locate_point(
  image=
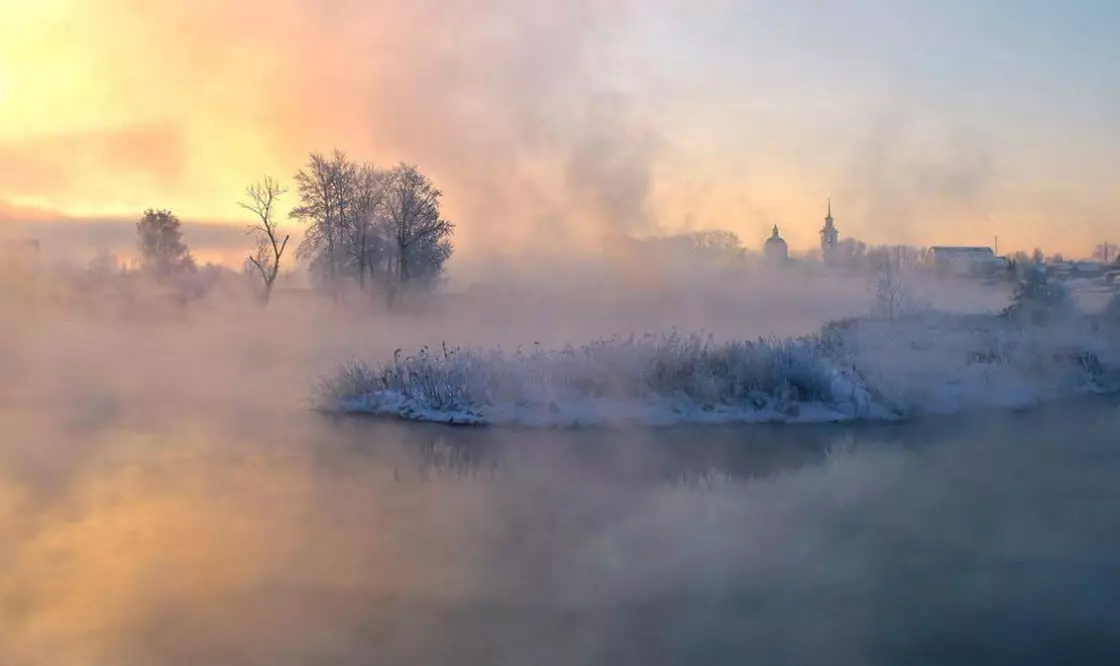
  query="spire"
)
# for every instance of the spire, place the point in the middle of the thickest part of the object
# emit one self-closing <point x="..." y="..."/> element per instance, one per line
<point x="775" y="232"/>
<point x="829" y="206"/>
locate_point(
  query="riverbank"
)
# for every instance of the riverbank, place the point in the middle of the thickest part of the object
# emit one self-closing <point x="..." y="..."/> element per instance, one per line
<point x="852" y="370"/>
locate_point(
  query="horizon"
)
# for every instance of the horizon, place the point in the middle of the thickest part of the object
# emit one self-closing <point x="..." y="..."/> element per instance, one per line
<point x="74" y="241"/>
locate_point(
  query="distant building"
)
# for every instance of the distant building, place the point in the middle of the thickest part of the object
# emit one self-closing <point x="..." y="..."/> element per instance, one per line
<point x="966" y="261"/>
<point x="775" y="249"/>
<point x="830" y="237"/>
<point x="1077" y="269"/>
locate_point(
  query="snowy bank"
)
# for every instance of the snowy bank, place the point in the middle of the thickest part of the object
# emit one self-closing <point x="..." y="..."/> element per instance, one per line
<point x="859" y="369"/>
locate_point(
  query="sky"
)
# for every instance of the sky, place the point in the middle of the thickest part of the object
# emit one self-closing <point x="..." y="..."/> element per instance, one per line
<point x="548" y="123"/>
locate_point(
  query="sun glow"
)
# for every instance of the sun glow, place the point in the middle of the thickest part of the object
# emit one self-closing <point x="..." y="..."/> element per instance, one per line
<point x="101" y="115"/>
<point x="108" y="107"/>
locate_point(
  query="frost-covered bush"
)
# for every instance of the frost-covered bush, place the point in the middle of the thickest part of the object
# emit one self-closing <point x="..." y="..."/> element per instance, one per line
<point x="856" y="368"/>
<point x="692" y="369"/>
<point x="1038" y="300"/>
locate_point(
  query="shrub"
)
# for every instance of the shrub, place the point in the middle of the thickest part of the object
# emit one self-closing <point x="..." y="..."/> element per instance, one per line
<point x="764" y="372"/>
<point x="1037" y="299"/>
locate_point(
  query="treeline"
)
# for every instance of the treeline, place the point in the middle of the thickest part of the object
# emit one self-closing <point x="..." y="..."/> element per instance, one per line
<point x="723" y="247"/>
<point x="378" y="229"/>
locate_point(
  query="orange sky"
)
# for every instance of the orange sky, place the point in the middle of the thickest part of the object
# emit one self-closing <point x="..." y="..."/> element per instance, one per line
<point x="541" y="121"/>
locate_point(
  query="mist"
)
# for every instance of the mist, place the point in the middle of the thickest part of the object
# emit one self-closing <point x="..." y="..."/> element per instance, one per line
<point x="175" y="488"/>
<point x="168" y="496"/>
<point x="505" y="104"/>
<point x="546" y="123"/>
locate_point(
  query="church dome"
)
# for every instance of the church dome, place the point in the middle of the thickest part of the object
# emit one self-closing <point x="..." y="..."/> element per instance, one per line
<point x="775" y="248"/>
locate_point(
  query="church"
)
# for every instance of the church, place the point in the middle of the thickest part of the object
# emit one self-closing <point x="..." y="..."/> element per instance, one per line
<point x="830" y="238"/>
<point x="775" y="250"/>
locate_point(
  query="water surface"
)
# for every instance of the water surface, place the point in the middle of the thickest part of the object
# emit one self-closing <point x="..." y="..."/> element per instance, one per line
<point x="290" y="538"/>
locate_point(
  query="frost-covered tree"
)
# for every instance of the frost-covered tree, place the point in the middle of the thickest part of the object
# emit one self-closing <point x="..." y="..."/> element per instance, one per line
<point x="427" y="262"/>
<point x="1038" y="299"/>
<point x="713" y="247"/>
<point x="265" y="260"/>
<point x="715" y="242"/>
<point x="161" y="246"/>
<point x="323" y="186"/>
<point x="342" y="206"/>
<point x="419" y="236"/>
<point x="364" y="242"/>
<point x="892" y="293"/>
<point x="380" y="228"/>
<point x="851" y="253"/>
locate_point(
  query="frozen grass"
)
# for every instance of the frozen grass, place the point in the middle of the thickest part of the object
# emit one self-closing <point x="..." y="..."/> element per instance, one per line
<point x="939" y="363"/>
<point x="853" y="369"/>
<point x="644" y="379"/>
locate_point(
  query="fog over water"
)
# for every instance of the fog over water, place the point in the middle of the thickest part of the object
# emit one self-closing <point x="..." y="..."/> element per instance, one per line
<point x="168" y="497"/>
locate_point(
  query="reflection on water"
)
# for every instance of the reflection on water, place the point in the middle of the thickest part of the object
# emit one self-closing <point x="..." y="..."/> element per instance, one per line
<point x="312" y="541"/>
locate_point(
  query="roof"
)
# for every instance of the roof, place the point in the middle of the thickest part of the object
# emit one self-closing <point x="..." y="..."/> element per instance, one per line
<point x="966" y="254"/>
<point x="961" y="249"/>
<point x="775" y="238"/>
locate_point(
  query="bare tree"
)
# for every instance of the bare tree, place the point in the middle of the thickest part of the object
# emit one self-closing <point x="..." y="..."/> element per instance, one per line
<point x="412" y="214"/>
<point x="381" y="228"/>
<point x="323" y="186"/>
<point x="363" y="224"/>
<point x="265" y="260"/>
<point x="893" y="297"/>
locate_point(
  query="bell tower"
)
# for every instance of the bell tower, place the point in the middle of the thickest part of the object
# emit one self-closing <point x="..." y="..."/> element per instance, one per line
<point x="829" y="236"/>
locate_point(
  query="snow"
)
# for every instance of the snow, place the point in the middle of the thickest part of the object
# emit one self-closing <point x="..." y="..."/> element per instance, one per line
<point x="860" y="369"/>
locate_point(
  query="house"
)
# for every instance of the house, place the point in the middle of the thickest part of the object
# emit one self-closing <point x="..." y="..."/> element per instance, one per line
<point x="966" y="261"/>
<point x="1078" y="269"/>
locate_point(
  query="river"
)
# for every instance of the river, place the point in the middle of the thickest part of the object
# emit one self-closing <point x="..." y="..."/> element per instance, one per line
<point x="983" y="539"/>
